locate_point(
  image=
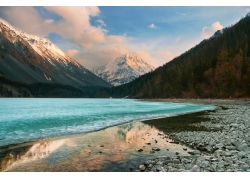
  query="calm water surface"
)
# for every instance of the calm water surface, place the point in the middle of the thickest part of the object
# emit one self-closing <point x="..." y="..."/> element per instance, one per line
<point x="26" y="119"/>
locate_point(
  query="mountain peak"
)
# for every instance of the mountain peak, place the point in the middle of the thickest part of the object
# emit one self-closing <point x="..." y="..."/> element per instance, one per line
<point x="129" y="56"/>
<point x="123" y="69"/>
<point x="41" y="45"/>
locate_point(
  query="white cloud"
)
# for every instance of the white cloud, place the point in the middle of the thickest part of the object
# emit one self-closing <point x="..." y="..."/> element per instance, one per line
<point x="209" y="31"/>
<point x="101" y="22"/>
<point x="152" y="26"/>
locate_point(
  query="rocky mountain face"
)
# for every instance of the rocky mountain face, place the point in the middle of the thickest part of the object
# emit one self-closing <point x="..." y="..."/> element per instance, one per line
<point x="123" y="69"/>
<point x="29" y="59"/>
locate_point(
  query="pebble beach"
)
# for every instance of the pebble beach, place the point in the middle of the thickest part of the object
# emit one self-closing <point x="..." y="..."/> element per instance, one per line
<point x="223" y="145"/>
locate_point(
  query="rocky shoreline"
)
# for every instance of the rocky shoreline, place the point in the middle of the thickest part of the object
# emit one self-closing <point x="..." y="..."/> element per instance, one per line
<point x="225" y="147"/>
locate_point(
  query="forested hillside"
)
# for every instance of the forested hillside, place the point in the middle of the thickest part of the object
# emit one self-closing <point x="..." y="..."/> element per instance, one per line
<point x="10" y="88"/>
<point x="218" y="67"/>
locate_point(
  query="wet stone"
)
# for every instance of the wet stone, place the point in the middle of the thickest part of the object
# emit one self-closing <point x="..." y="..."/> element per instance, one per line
<point x="226" y="164"/>
<point x="195" y="168"/>
<point x="153" y="169"/>
<point x="219" y="146"/>
<point x="172" y="162"/>
<point x="175" y="142"/>
<point x="214" y="160"/>
<point x="195" y="152"/>
<point x="148" y="162"/>
<point x="153" y="162"/>
<point x="227" y="154"/>
<point x="142" y="167"/>
<point x="235" y="143"/>
<point x="208" y="148"/>
<point x="205" y="164"/>
<point x="243" y="147"/>
<point x="230" y="147"/>
<point x="159" y="168"/>
<point x="156" y="149"/>
<point x="159" y="163"/>
<point x="150" y="165"/>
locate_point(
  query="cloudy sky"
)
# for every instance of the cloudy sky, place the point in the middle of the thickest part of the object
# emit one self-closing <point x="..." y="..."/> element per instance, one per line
<point x="95" y="35"/>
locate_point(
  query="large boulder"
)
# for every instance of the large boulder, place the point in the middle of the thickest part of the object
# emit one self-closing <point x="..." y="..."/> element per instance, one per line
<point x="243" y="147"/>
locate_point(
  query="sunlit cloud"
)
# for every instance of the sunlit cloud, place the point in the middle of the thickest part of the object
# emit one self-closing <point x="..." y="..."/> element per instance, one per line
<point x="145" y="56"/>
<point x="71" y="53"/>
<point x="166" y="56"/>
<point x="100" y="55"/>
<point x="209" y="31"/>
<point x="74" y="25"/>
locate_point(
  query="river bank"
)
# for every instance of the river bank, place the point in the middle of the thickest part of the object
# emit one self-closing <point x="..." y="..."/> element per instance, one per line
<point x="220" y="144"/>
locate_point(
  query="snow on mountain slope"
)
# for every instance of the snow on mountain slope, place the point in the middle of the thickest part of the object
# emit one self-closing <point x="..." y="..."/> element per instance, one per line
<point x="42" y="46"/>
<point x="123" y="69"/>
<point x="28" y="58"/>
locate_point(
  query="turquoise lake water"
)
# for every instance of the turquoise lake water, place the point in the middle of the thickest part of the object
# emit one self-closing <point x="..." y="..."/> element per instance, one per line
<point x="23" y="120"/>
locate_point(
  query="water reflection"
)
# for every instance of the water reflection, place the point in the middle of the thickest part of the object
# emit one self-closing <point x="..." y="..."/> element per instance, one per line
<point x="111" y="149"/>
<point x="29" y="153"/>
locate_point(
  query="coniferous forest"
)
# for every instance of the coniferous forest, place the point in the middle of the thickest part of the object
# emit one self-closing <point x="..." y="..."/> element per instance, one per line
<point x="10" y="88"/>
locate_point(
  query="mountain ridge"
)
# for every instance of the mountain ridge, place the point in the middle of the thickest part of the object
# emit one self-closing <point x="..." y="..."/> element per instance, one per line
<point x="29" y="59"/>
<point x="123" y="69"/>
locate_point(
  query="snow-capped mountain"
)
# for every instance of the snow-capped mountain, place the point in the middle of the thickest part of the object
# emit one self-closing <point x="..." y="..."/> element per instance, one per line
<point x="123" y="69"/>
<point x="28" y="58"/>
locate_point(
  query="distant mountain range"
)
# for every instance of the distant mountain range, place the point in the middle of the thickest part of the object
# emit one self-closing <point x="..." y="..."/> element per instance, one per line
<point x="218" y="67"/>
<point x="30" y="59"/>
<point x="123" y="69"/>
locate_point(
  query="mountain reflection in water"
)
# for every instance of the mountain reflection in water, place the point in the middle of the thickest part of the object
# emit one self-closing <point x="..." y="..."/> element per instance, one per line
<point x="111" y="149"/>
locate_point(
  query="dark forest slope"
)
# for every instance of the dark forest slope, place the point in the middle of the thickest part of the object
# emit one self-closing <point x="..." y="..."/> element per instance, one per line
<point x="10" y="88"/>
